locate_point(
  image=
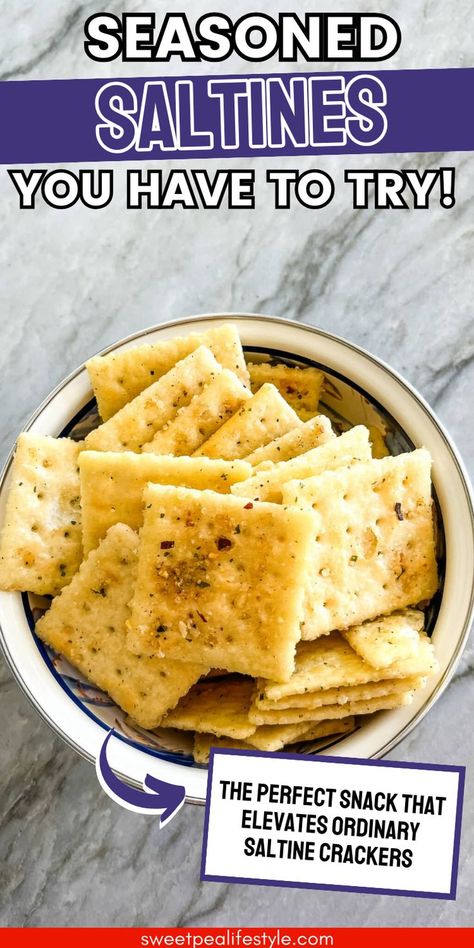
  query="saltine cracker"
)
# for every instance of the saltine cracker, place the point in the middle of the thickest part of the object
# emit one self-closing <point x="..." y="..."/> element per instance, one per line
<point x="263" y="418"/>
<point x="300" y="387"/>
<point x="138" y="421"/>
<point x="118" y="377"/>
<point x="220" y="581"/>
<point x="341" y="695"/>
<point x="271" y="737"/>
<point x="375" y="546"/>
<point x="331" y="711"/>
<point x="218" y="707"/>
<point x="299" y="440"/>
<point x="41" y="542"/>
<point x="206" y="412"/>
<point x="112" y="485"/>
<point x="87" y="624"/>
<point x="267" y="482"/>
<point x="385" y="640"/>
<point x="330" y="662"/>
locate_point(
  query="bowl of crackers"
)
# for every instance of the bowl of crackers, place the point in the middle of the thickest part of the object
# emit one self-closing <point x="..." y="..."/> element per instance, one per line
<point x="233" y="531"/>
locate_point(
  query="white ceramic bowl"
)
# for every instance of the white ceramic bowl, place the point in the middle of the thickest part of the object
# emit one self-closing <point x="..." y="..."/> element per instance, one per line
<point x="362" y="389"/>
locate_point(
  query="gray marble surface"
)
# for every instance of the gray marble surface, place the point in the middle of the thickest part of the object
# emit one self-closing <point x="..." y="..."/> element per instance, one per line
<point x="400" y="284"/>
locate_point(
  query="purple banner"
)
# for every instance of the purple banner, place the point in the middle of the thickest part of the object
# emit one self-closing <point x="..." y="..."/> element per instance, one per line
<point x="81" y="120"/>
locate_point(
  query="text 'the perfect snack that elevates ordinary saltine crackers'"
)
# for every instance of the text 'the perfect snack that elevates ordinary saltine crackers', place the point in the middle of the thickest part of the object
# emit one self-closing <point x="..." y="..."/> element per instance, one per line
<point x="87" y="624"/>
<point x="263" y="418"/>
<point x="41" y="542"/>
<point x="139" y="420"/>
<point x="374" y="550"/>
<point x="220" y="581"/>
<point x="112" y="485"/>
<point x="206" y="412"/>
<point x="119" y="377"/>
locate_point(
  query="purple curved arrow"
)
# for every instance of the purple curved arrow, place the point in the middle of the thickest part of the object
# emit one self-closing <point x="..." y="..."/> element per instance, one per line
<point x="160" y="798"/>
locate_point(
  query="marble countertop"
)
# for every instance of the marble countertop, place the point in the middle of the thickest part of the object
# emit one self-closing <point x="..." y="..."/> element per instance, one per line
<point x="400" y="284"/>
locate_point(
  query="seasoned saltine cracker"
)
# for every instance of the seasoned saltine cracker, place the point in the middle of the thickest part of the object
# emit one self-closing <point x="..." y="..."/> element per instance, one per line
<point x="219" y="707"/>
<point x="263" y="418"/>
<point x="87" y="624"/>
<point x="387" y="639"/>
<point x="271" y="737"/>
<point x="220" y="581"/>
<point x="330" y="662"/>
<point x="300" y="387"/>
<point x="139" y="420"/>
<point x="331" y="711"/>
<point x="119" y="377"/>
<point x="379" y="447"/>
<point x="206" y="412"/>
<point x="341" y="695"/>
<point x="112" y="485"/>
<point x="375" y="546"/>
<point x="299" y="440"/>
<point x="204" y="742"/>
<point x="267" y="483"/>
<point x="41" y="542"/>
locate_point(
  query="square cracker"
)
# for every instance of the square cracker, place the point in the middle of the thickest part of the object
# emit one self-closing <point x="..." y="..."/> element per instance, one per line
<point x="87" y="624"/>
<point x="267" y="483"/>
<point x="299" y="440"/>
<point x="387" y="639"/>
<point x="330" y="662"/>
<point x="263" y="418"/>
<point x="300" y="387"/>
<point x="219" y="707"/>
<point x="119" y="377"/>
<point x="331" y="712"/>
<point x="220" y="581"/>
<point x="139" y="420"/>
<point x="342" y="695"/>
<point x="112" y="485"/>
<point x="204" y="742"/>
<point x="375" y="545"/>
<point x="270" y="737"/>
<point x="273" y="737"/>
<point x="41" y="542"/>
<point x="206" y="412"/>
